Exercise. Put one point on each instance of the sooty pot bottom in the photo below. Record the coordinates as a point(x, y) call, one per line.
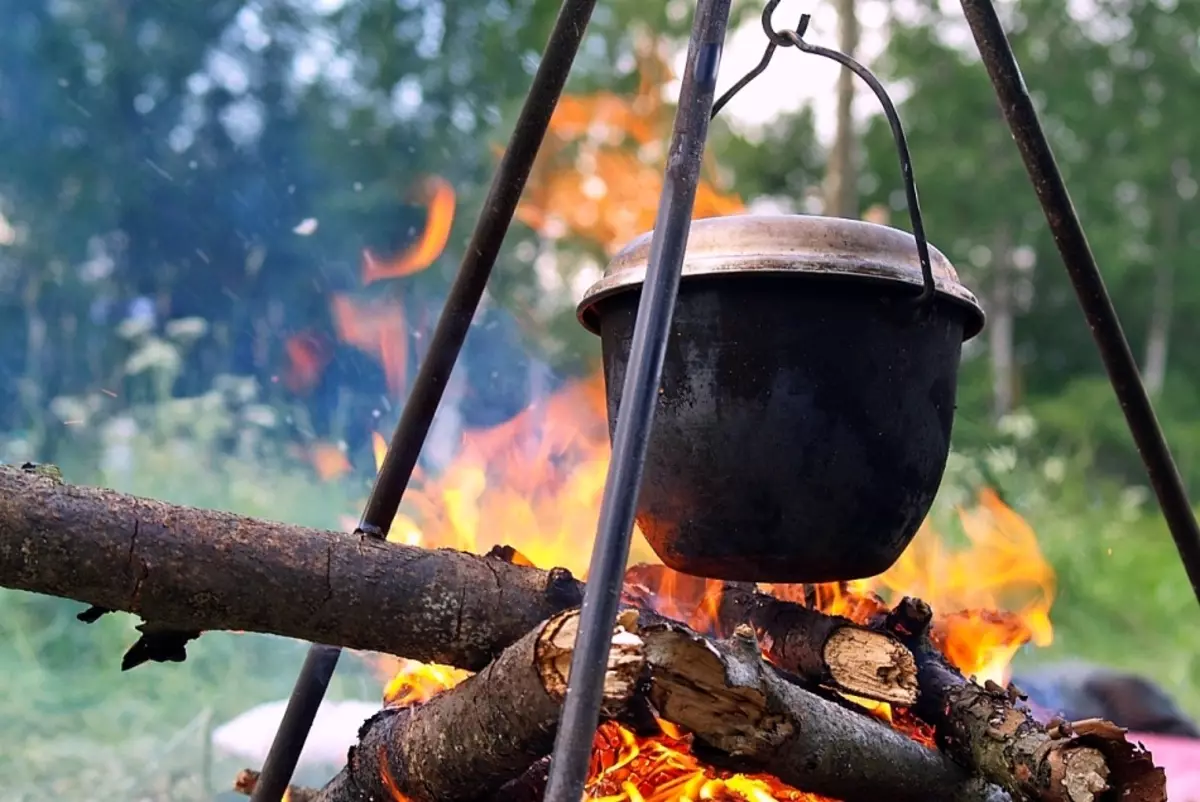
point(802, 427)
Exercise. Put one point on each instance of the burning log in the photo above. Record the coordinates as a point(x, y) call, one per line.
point(824, 649)
point(485, 732)
point(821, 649)
point(745, 716)
point(184, 570)
point(472, 739)
point(985, 729)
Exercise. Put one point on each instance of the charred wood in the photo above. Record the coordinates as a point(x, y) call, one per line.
point(745, 716)
point(824, 649)
point(472, 739)
point(482, 734)
point(989, 731)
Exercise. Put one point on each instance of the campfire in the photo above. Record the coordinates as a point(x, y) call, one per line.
point(537, 480)
point(892, 687)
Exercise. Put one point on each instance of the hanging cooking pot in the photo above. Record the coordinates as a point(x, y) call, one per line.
point(804, 414)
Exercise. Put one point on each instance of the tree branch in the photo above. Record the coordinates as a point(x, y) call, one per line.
point(985, 729)
point(185, 570)
point(470, 740)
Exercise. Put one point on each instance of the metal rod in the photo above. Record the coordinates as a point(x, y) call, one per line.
point(445, 345)
point(635, 413)
point(1019, 111)
point(302, 706)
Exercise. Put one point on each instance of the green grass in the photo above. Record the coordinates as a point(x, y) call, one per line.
point(1123, 598)
point(73, 726)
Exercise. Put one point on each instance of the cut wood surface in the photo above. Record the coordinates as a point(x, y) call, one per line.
point(822, 649)
point(188, 569)
point(989, 731)
point(470, 740)
point(487, 731)
point(825, 649)
point(749, 718)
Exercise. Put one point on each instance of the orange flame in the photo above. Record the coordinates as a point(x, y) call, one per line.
point(377, 328)
point(379, 447)
point(329, 461)
point(535, 484)
point(600, 171)
point(307, 357)
point(440, 199)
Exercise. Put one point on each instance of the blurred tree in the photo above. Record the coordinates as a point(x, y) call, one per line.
point(1104, 85)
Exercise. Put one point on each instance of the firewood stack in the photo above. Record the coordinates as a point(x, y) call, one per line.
point(742, 680)
point(751, 684)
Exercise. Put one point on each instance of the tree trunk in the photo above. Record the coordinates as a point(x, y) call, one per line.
point(1000, 326)
point(1158, 334)
point(841, 178)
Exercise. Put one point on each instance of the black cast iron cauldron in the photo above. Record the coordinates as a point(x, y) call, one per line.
point(804, 416)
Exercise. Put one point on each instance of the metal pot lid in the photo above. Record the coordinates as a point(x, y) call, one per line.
point(827, 246)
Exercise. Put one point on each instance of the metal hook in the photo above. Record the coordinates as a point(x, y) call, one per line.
point(774, 41)
point(790, 38)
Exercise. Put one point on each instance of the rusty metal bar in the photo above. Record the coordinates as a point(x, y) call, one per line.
point(1019, 111)
point(445, 346)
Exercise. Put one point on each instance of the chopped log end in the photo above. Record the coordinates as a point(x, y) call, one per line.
point(696, 687)
point(247, 780)
point(626, 661)
point(873, 665)
point(1084, 774)
point(1133, 777)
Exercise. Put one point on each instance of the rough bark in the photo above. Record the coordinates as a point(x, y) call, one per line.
point(470, 740)
point(744, 715)
point(987, 730)
point(485, 733)
point(186, 570)
point(824, 649)
point(821, 649)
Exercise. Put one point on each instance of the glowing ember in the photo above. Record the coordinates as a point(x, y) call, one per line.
point(626, 768)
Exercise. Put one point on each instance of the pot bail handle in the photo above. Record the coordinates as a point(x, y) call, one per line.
point(795, 38)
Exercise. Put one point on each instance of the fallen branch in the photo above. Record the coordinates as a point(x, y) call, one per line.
point(470, 740)
point(987, 730)
point(184, 570)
